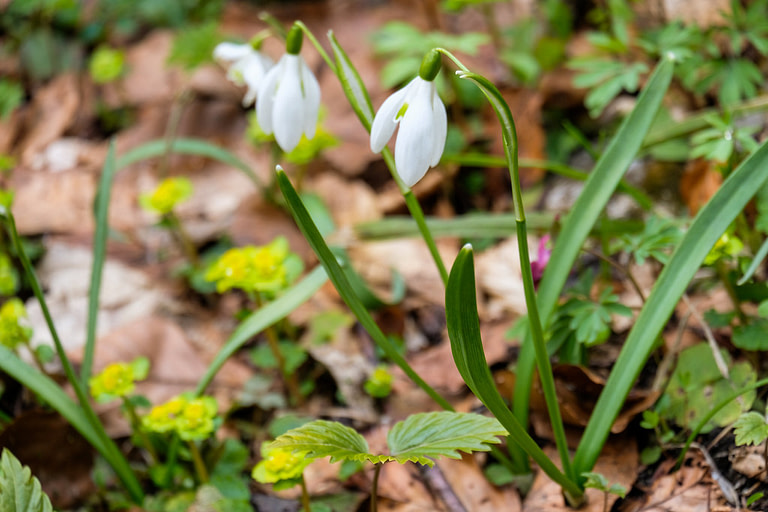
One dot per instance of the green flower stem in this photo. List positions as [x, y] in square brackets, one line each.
[36, 357]
[317, 46]
[170, 464]
[290, 380]
[183, 238]
[197, 460]
[375, 486]
[111, 452]
[546, 377]
[306, 505]
[136, 426]
[418, 215]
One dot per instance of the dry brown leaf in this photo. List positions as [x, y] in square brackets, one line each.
[53, 203]
[474, 490]
[150, 79]
[500, 280]
[578, 389]
[687, 490]
[127, 294]
[54, 109]
[699, 182]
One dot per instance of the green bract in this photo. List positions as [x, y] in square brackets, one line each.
[266, 269]
[168, 194]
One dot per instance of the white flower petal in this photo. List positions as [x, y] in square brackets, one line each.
[231, 52]
[288, 110]
[266, 97]
[414, 141]
[384, 122]
[254, 68]
[311, 90]
[439, 128]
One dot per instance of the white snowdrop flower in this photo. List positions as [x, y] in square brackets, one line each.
[423, 124]
[247, 66]
[289, 97]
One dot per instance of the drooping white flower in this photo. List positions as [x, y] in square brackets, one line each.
[288, 101]
[423, 128]
[247, 66]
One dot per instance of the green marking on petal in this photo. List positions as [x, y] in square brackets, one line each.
[401, 112]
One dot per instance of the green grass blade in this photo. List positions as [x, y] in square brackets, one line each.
[710, 223]
[101, 212]
[54, 396]
[183, 146]
[585, 212]
[756, 261]
[112, 453]
[265, 316]
[339, 280]
[466, 344]
[479, 225]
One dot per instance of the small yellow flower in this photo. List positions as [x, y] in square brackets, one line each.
[162, 418]
[196, 421]
[191, 418]
[118, 379]
[725, 247]
[379, 384]
[168, 194]
[279, 465]
[267, 269]
[14, 330]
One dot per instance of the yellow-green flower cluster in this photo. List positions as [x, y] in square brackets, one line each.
[279, 466]
[106, 65]
[193, 419]
[14, 330]
[118, 379]
[168, 194]
[267, 269]
[727, 246]
[379, 384]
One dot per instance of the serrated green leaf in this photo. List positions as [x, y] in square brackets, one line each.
[322, 438]
[19, 490]
[424, 436]
[750, 428]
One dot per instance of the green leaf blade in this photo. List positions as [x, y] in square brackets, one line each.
[426, 436]
[750, 428]
[322, 438]
[19, 490]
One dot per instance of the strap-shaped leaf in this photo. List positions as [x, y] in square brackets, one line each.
[187, 147]
[710, 223]
[101, 212]
[322, 438]
[467, 347]
[598, 189]
[430, 435]
[19, 490]
[340, 281]
[353, 86]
